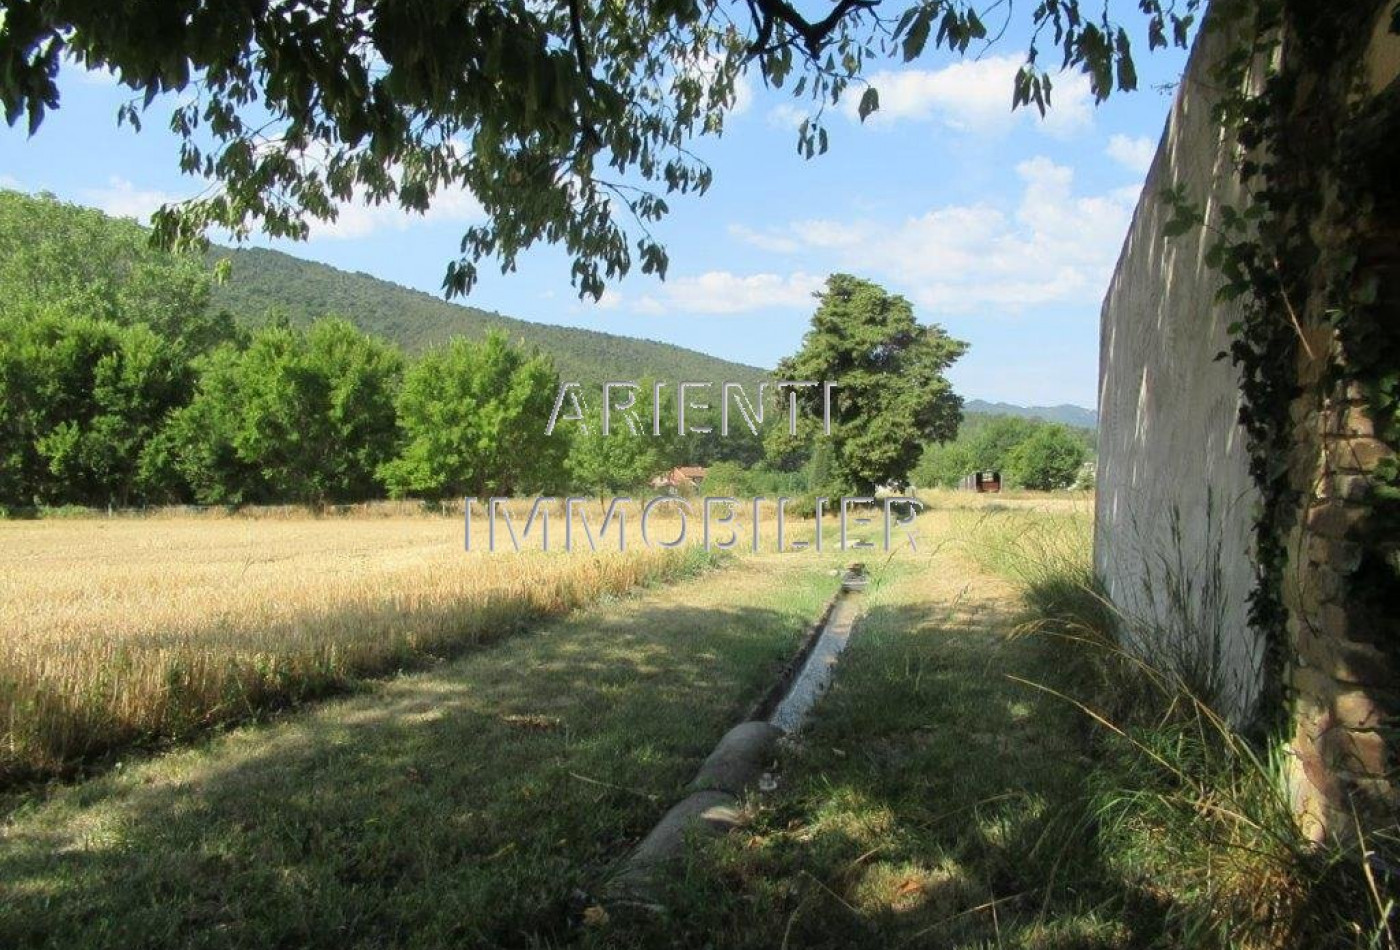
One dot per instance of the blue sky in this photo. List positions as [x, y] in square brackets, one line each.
[1001, 227]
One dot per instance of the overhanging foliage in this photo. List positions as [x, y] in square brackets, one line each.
[570, 122]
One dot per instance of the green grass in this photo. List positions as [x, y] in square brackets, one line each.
[934, 803]
[987, 776]
[1047, 556]
[986, 771]
[1187, 807]
[465, 806]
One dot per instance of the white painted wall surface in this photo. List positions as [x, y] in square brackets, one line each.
[1175, 501]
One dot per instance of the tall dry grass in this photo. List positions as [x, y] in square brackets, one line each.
[131, 630]
[1187, 811]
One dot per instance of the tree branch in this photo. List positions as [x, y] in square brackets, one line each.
[814, 35]
[576, 28]
[589, 134]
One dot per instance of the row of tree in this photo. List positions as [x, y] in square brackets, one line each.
[98, 411]
[95, 412]
[1030, 453]
[121, 383]
[111, 398]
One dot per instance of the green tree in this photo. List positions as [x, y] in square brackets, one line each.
[986, 442]
[78, 260]
[294, 417]
[727, 478]
[822, 477]
[14, 444]
[944, 465]
[625, 461]
[741, 446]
[617, 462]
[196, 454]
[552, 115]
[1048, 459]
[785, 451]
[990, 445]
[361, 376]
[82, 397]
[472, 416]
[99, 331]
[892, 397]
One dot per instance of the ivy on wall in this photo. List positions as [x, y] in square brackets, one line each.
[1367, 283]
[1302, 135]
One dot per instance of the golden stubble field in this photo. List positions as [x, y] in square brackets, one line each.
[121, 630]
[130, 630]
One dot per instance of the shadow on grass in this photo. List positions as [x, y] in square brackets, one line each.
[155, 691]
[467, 805]
[935, 802]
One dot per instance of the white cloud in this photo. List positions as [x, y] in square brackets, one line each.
[743, 95]
[122, 199]
[11, 182]
[764, 241]
[1135, 154]
[831, 235]
[1053, 247]
[785, 115]
[356, 219]
[723, 292]
[973, 95]
[649, 305]
[1128, 193]
[361, 219]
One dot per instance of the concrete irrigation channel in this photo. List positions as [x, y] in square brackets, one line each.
[738, 762]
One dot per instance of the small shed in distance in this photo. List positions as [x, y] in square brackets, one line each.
[982, 482]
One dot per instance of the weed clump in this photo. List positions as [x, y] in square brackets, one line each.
[1186, 808]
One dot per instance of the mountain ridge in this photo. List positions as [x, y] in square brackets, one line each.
[264, 282]
[1065, 413]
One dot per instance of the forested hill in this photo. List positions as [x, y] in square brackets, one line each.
[1065, 414]
[264, 281]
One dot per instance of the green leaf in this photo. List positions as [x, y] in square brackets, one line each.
[869, 102]
[1178, 226]
[917, 36]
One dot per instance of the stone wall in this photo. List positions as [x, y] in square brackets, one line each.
[1175, 501]
[1342, 678]
[1176, 507]
[1343, 632]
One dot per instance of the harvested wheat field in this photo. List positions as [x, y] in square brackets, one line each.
[126, 630]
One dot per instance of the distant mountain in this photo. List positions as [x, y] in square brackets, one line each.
[1066, 414]
[266, 281]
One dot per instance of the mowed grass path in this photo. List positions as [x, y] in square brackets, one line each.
[935, 801]
[463, 806]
